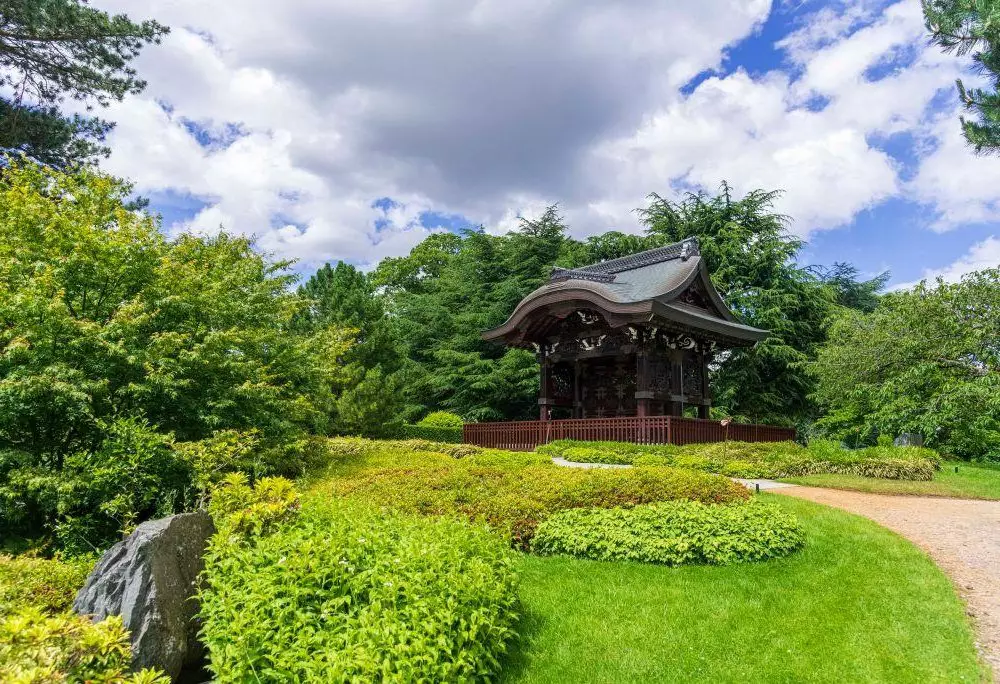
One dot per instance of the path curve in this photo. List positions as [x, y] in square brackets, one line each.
[961, 535]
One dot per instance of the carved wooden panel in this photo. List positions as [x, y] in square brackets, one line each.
[607, 387]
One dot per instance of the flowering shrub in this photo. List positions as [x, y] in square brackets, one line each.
[672, 533]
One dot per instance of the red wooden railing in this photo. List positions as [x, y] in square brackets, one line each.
[525, 435]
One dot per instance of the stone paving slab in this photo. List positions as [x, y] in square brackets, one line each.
[573, 464]
[762, 484]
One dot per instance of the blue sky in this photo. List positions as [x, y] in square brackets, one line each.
[350, 130]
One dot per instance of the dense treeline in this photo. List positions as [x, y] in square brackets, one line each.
[426, 310]
[137, 370]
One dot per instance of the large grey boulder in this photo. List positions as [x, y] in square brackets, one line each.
[150, 580]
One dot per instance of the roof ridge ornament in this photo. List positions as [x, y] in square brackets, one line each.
[689, 248]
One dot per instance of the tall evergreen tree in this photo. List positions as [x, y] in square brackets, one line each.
[972, 27]
[751, 258]
[51, 50]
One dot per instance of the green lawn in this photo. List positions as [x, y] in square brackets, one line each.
[970, 482]
[857, 604]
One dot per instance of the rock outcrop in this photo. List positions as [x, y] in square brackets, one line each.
[150, 580]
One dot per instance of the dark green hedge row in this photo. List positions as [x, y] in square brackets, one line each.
[451, 435]
[672, 533]
[761, 459]
[342, 592]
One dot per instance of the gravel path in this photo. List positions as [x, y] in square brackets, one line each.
[961, 535]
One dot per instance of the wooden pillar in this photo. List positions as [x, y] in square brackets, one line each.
[706, 392]
[544, 401]
[676, 384]
[577, 390]
[643, 395]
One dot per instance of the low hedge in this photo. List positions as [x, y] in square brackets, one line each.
[432, 433]
[759, 459]
[347, 592]
[512, 492]
[672, 533]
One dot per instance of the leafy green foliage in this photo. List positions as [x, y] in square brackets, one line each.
[672, 533]
[972, 27]
[131, 476]
[239, 509]
[105, 324]
[432, 433]
[35, 647]
[512, 492]
[348, 593]
[452, 287]
[438, 426]
[761, 459]
[925, 361]
[442, 419]
[41, 641]
[53, 49]
[372, 407]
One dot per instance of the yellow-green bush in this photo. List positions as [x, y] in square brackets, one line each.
[41, 641]
[40, 648]
[672, 533]
[347, 592]
[240, 509]
[759, 459]
[512, 492]
[46, 584]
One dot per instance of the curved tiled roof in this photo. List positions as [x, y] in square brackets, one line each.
[640, 287]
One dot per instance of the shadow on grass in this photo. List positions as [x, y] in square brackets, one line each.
[517, 660]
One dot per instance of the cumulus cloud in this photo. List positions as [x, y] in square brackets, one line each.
[289, 120]
[482, 108]
[813, 136]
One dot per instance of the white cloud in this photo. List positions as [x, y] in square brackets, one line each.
[957, 186]
[497, 108]
[982, 255]
[762, 133]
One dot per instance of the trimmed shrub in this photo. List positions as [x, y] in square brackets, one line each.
[432, 433]
[512, 492]
[340, 447]
[672, 533]
[442, 419]
[760, 459]
[346, 592]
[46, 584]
